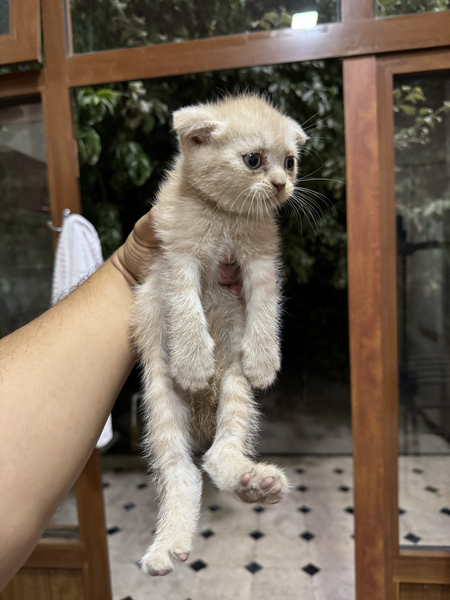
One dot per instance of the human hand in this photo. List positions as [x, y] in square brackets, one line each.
[230, 274]
[141, 247]
[138, 252]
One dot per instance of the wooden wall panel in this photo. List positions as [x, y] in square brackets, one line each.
[66, 584]
[45, 584]
[424, 591]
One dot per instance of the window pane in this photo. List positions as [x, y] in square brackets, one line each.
[422, 142]
[64, 523]
[109, 24]
[26, 251]
[26, 244]
[4, 16]
[389, 8]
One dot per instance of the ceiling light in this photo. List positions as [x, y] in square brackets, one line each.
[305, 20]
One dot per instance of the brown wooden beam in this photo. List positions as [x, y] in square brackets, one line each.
[415, 566]
[373, 331]
[16, 85]
[415, 62]
[58, 554]
[62, 156]
[353, 38]
[92, 526]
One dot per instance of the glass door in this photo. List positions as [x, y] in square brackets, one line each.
[398, 178]
[422, 190]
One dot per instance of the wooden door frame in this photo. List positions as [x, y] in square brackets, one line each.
[359, 38]
[381, 566]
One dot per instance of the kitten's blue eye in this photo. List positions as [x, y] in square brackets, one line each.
[289, 163]
[253, 161]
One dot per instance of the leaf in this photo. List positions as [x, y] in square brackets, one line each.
[407, 109]
[89, 145]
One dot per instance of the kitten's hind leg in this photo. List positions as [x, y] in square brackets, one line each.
[227, 461]
[178, 480]
[168, 439]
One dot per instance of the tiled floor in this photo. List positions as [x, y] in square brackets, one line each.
[300, 548]
[243, 552]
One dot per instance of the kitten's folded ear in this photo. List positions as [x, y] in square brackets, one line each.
[195, 124]
[300, 135]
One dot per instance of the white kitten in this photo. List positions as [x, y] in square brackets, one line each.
[201, 348]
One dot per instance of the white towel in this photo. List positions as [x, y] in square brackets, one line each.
[78, 255]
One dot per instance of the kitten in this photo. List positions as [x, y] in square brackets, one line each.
[201, 348]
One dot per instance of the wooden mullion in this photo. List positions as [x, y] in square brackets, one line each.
[58, 554]
[352, 38]
[62, 158]
[372, 310]
[16, 85]
[92, 526]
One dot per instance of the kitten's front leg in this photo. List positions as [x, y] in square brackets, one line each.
[191, 346]
[261, 345]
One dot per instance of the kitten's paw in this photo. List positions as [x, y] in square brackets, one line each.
[157, 561]
[192, 367]
[260, 364]
[265, 484]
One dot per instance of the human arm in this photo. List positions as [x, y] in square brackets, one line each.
[59, 377]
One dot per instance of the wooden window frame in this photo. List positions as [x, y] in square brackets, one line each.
[23, 41]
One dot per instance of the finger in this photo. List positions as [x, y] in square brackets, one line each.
[144, 233]
[229, 274]
[236, 290]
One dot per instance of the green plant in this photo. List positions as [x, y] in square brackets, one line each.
[387, 8]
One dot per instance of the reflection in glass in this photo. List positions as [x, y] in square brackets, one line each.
[26, 252]
[422, 141]
[110, 24]
[4, 16]
[389, 8]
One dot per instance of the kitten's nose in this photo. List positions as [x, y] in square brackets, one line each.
[278, 186]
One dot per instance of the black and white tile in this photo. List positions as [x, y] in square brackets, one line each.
[302, 547]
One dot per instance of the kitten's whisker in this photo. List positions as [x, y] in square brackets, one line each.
[307, 178]
[312, 197]
[307, 212]
[300, 178]
[311, 150]
[296, 210]
[315, 194]
[319, 120]
[318, 196]
[239, 195]
[305, 205]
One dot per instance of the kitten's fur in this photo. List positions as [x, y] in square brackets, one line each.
[201, 348]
